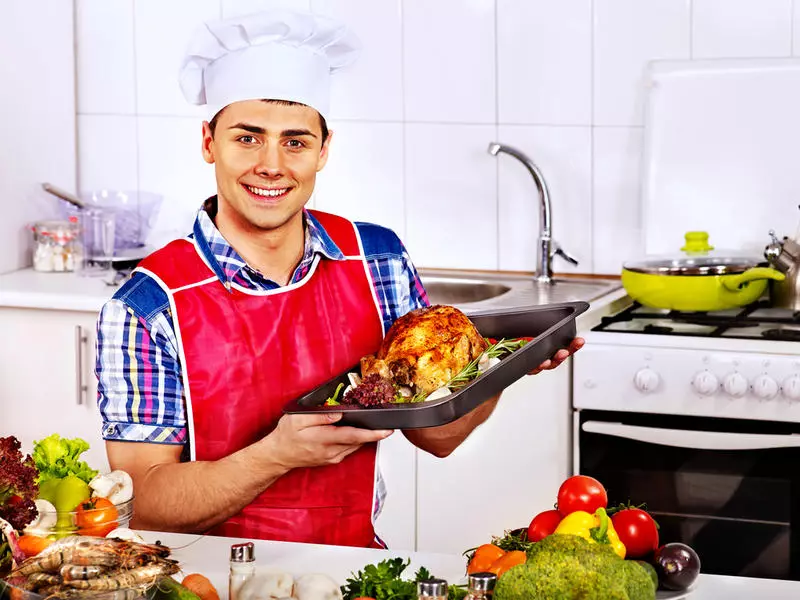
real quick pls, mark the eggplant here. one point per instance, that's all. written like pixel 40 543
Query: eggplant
pixel 677 566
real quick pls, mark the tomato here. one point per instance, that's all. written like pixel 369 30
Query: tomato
pixel 543 525
pixel 508 560
pixel 483 558
pixel 96 516
pixel 580 492
pixel 637 531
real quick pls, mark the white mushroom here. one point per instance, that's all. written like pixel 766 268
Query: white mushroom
pixel 487 364
pixel 355 379
pixel 123 533
pixel 267 584
pixel 45 517
pixel 405 391
pixel 316 586
pixel 442 392
pixel 117 486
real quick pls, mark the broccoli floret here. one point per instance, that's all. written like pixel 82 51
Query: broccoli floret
pixel 637 581
pixel 568 566
pixel 560 578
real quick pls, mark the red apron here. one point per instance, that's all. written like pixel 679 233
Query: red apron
pixel 246 353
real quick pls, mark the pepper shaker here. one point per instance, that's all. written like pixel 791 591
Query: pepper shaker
pixel 432 589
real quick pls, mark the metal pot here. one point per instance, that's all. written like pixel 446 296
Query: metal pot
pixel 784 256
pixel 699 280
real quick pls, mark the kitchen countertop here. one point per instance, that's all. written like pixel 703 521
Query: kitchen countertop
pixel 209 556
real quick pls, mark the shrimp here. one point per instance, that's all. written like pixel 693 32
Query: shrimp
pixel 71 572
pixel 126 578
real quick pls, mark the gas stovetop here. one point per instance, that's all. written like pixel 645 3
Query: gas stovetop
pixel 756 321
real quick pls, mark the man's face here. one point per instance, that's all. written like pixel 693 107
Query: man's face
pixel 266 157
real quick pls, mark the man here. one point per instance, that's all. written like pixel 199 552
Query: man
pixel 201 349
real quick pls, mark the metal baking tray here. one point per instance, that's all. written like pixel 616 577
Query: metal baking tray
pixel 552 326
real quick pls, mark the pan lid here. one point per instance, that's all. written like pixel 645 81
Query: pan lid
pixel 698 258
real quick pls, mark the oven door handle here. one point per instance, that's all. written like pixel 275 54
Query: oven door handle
pixel 695 440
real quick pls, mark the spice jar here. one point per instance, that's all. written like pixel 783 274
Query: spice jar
pixel 432 589
pixel 56 245
pixel 480 586
pixel 243 567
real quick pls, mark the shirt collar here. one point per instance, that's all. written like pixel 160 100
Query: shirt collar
pixel 227 263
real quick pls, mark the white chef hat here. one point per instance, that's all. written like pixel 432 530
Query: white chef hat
pixel 276 55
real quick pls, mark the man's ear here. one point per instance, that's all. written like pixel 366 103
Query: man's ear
pixel 323 153
pixel 208 143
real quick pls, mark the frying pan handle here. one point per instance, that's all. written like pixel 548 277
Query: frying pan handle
pixel 733 283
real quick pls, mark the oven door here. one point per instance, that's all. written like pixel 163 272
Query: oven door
pixel 728 488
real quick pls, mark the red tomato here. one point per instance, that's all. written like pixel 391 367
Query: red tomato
pixel 637 531
pixel 543 525
pixel 580 492
pixel 96 516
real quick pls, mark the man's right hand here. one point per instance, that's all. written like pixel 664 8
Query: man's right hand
pixel 313 440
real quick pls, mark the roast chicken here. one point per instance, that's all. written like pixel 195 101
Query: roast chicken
pixel 426 348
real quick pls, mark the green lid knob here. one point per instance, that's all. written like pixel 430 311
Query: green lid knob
pixel 697 242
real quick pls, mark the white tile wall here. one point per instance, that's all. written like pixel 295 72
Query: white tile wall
pixel 435 83
pixel 736 28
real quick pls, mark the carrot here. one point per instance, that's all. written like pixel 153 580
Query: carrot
pixel 200 585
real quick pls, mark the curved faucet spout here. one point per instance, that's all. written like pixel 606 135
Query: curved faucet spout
pixel 544 256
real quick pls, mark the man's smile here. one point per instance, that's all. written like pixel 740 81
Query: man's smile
pixel 270 194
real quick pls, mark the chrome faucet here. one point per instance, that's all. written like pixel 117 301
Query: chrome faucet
pixel 547 247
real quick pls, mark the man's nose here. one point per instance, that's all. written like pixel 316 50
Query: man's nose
pixel 270 160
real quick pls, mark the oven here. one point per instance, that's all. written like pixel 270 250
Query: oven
pixel 700 421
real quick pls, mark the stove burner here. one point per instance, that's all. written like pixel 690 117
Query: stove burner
pixel 781 334
pixel 657 329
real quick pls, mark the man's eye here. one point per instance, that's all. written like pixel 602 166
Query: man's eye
pixel 247 139
pixel 295 144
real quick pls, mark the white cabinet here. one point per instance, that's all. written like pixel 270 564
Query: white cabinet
pixel 47 381
pixel 507 471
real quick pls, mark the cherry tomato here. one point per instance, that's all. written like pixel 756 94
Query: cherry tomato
pixel 580 492
pixel 96 516
pixel 483 558
pixel 543 525
pixel 637 531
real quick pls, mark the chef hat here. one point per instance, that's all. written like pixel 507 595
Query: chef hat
pixel 276 55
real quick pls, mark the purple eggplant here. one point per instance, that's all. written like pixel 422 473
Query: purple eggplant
pixel 677 566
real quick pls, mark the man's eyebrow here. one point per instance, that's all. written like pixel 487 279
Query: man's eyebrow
pixel 297 133
pixel 249 128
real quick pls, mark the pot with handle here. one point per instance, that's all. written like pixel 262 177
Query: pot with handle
pixel 784 255
pixel 699 280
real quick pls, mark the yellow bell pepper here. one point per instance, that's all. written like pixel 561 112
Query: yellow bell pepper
pixel 596 528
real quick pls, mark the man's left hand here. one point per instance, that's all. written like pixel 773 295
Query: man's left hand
pixel 560 356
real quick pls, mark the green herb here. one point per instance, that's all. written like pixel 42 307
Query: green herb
pixel 513 539
pixel 56 457
pixel 334 400
pixel 382 581
pixel 471 371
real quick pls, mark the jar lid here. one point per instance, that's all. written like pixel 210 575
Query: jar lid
pixel 243 552
pixel 432 587
pixel 482 582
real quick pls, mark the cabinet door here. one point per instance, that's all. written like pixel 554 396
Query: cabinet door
pixel 47 381
pixel 507 471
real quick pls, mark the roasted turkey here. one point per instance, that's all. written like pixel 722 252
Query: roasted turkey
pixel 426 348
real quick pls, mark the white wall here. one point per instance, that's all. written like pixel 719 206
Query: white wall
pixel 436 83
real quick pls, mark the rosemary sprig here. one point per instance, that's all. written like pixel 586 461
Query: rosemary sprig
pixel 471 371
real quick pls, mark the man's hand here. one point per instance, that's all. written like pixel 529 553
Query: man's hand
pixel 560 356
pixel 313 440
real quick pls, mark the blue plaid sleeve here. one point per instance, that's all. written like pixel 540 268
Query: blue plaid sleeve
pixel 139 392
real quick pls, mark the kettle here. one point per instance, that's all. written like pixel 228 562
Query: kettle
pixel 784 255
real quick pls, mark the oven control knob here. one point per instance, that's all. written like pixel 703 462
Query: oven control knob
pixel 646 380
pixel 735 385
pixel 791 387
pixel 705 383
pixel 765 387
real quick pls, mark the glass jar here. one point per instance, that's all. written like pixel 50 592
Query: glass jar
pixel 480 586
pixel 56 245
pixel 242 567
pixel 432 589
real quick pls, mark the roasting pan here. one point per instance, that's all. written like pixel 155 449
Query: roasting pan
pixel 552 326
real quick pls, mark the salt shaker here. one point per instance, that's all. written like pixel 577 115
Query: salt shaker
pixel 243 567
pixel 432 589
pixel 480 586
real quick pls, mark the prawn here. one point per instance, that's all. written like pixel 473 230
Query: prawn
pixel 126 578
pixel 72 572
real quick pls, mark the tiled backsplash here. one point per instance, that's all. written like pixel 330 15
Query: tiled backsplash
pixel 436 82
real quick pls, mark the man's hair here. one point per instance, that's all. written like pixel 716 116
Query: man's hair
pixel 212 124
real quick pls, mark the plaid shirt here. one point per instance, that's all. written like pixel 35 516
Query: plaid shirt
pixel 140 390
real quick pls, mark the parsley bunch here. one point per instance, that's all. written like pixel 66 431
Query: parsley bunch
pixel 383 581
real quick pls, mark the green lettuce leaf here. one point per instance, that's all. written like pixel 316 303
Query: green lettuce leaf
pixel 56 457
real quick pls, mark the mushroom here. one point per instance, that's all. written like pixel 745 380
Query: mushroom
pixel 316 586
pixel 123 533
pixel 267 584
pixel 117 486
pixel 45 517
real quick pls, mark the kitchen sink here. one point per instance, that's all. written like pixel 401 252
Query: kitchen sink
pixel 485 291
